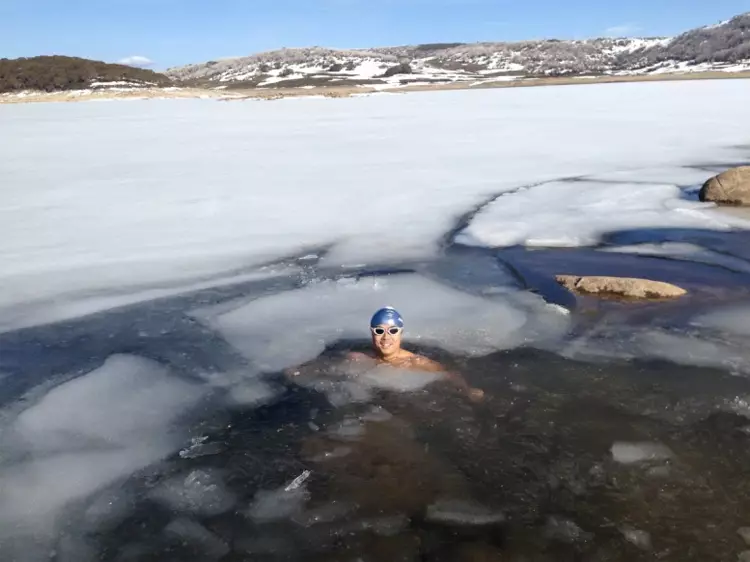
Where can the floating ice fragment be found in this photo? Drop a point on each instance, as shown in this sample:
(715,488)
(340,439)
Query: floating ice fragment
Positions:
(641,539)
(630,453)
(297,482)
(199,448)
(565,531)
(462,512)
(744,556)
(200,492)
(744,532)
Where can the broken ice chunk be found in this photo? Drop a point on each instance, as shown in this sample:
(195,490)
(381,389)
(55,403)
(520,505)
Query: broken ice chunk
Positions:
(199,448)
(641,539)
(565,531)
(631,453)
(744,532)
(462,512)
(200,492)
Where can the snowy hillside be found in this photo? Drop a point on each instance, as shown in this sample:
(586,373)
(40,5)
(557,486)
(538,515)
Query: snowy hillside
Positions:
(723,47)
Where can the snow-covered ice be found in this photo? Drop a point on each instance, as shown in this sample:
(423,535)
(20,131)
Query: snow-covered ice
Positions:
(85,434)
(551,214)
(151,194)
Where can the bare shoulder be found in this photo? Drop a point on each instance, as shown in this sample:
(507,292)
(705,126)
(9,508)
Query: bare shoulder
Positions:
(358,356)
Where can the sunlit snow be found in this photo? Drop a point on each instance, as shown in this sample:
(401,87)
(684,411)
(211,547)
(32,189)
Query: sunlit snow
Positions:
(157,192)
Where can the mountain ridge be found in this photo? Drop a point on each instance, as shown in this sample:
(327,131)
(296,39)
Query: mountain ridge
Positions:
(724,47)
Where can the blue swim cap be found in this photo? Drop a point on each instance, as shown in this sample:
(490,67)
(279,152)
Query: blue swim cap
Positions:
(388,316)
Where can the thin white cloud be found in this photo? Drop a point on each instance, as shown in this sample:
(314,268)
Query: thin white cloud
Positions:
(137,61)
(622,30)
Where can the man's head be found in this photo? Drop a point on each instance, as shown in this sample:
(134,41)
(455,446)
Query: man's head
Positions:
(386,326)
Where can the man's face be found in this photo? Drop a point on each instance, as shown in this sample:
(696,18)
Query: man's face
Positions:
(386,339)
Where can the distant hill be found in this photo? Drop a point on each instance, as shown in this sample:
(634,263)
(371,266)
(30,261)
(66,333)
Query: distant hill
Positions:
(723,47)
(59,73)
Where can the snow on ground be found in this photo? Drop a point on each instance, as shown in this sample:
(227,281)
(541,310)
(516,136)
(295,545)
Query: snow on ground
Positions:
(147,195)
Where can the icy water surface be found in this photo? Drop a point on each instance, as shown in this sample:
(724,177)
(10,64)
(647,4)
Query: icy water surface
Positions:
(160,283)
(175,439)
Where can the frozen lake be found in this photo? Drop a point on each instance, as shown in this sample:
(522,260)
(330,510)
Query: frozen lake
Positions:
(164,261)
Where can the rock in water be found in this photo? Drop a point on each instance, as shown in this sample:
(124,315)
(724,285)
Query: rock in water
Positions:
(744,532)
(620,286)
(731,187)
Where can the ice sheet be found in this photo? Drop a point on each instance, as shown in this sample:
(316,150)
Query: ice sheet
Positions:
(151,192)
(84,435)
(291,328)
(578,213)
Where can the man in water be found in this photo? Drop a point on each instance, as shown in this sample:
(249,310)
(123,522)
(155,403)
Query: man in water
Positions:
(386,327)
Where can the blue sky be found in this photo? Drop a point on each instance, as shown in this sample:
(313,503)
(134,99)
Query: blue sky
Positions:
(176,32)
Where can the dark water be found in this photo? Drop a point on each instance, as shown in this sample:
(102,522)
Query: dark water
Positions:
(527,475)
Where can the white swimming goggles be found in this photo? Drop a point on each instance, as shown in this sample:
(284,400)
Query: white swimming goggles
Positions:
(392,330)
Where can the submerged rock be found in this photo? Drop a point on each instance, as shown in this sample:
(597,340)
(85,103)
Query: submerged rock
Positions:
(731,187)
(629,287)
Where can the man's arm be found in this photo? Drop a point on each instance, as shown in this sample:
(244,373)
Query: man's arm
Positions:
(426,364)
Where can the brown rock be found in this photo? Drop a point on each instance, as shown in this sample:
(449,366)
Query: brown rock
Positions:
(731,187)
(620,286)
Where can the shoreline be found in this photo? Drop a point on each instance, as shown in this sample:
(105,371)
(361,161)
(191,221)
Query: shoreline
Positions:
(271,94)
